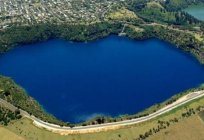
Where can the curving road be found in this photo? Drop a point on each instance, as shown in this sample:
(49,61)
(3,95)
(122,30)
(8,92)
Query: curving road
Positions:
(107,126)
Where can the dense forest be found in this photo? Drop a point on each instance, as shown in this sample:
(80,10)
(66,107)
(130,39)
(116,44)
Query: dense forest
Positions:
(40,32)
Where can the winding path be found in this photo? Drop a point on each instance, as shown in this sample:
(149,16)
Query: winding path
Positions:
(107,126)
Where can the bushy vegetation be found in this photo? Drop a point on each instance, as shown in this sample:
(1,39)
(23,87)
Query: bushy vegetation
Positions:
(7,115)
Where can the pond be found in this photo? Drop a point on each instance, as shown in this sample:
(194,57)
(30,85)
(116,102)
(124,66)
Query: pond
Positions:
(110,76)
(197,11)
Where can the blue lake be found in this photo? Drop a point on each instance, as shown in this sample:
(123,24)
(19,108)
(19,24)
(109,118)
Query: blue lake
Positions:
(111,76)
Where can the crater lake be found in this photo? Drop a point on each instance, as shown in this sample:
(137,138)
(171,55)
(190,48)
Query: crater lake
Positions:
(111,76)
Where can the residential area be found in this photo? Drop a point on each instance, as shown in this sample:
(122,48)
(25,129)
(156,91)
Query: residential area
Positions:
(37,11)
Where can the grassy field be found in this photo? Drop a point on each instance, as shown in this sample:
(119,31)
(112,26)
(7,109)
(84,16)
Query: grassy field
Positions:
(188,129)
(201,115)
(154,5)
(8,135)
(25,129)
(121,14)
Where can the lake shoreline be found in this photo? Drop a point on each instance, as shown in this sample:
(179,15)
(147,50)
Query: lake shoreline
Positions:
(29,35)
(143,113)
(85,43)
(21,35)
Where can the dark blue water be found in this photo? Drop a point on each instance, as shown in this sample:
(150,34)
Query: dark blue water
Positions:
(111,76)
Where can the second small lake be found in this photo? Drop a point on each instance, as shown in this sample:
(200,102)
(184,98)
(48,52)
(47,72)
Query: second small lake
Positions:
(197,11)
(110,76)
